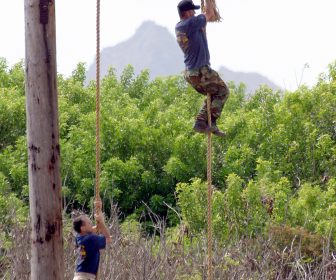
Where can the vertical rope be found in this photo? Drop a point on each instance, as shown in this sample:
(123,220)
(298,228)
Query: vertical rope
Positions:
(97,189)
(217,18)
(209,178)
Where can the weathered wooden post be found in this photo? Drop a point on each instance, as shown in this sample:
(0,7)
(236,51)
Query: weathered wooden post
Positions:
(43,141)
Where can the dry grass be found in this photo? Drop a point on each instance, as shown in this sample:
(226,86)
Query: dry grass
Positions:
(135,257)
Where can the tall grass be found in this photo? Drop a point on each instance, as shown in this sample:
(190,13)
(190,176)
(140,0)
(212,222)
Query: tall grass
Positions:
(132,255)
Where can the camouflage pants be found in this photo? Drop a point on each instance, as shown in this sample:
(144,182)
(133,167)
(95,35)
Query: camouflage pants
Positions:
(205,80)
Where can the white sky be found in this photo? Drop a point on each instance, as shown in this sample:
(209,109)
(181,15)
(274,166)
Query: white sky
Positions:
(273,37)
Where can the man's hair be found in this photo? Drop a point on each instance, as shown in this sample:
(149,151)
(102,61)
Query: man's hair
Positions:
(77,223)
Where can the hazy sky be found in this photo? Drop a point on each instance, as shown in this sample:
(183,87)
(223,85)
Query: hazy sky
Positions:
(275,38)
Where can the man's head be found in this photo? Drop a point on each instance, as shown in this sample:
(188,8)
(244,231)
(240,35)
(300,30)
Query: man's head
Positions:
(82,224)
(186,8)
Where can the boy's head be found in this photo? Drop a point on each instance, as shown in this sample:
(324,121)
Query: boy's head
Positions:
(82,224)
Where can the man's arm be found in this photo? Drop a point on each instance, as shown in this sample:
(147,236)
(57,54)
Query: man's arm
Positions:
(209,10)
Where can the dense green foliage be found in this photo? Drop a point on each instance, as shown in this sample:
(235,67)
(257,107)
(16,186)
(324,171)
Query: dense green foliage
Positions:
(276,165)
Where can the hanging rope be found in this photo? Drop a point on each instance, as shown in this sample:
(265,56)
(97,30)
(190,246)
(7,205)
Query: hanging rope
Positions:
(217,16)
(97,189)
(97,185)
(209,149)
(209,178)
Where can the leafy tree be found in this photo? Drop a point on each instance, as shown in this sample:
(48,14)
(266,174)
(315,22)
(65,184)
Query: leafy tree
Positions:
(275,166)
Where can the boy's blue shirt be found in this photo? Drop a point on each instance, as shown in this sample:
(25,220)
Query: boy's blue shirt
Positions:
(88,247)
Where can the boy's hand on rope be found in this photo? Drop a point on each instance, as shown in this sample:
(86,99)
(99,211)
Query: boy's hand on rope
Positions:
(99,218)
(98,205)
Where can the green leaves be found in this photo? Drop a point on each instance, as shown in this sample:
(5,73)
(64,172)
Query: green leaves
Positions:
(276,164)
(12,117)
(144,126)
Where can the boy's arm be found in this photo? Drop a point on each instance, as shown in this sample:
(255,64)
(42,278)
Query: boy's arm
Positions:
(101,227)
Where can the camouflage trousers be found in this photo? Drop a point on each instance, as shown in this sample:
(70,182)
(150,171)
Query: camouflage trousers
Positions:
(206,80)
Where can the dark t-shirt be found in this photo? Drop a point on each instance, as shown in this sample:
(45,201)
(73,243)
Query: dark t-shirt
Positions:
(88,247)
(191,36)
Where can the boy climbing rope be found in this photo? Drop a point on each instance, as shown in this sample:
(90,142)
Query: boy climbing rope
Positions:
(89,243)
(191,37)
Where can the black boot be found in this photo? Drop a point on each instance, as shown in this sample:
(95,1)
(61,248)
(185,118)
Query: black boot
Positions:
(201,126)
(215,130)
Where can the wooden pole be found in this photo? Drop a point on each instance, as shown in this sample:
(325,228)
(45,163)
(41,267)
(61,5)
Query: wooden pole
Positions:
(43,141)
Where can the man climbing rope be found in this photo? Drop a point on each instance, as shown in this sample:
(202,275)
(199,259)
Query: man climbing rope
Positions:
(89,243)
(191,37)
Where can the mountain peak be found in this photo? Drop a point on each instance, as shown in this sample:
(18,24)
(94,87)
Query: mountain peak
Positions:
(149,25)
(151,28)
(153,47)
